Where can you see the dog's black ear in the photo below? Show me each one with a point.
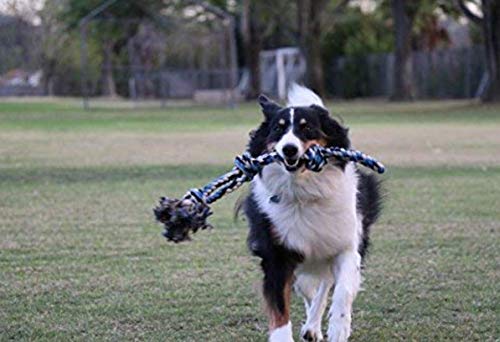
(269, 108)
(318, 109)
(335, 133)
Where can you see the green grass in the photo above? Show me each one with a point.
(82, 259)
(61, 116)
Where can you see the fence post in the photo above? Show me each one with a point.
(280, 63)
(468, 73)
(162, 90)
(132, 90)
(84, 64)
(233, 60)
(390, 72)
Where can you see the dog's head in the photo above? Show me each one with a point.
(290, 131)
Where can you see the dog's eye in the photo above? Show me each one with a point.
(278, 128)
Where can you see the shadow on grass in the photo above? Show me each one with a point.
(69, 175)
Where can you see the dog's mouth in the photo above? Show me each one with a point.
(291, 164)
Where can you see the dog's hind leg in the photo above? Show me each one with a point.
(305, 286)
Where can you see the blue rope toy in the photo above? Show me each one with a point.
(180, 216)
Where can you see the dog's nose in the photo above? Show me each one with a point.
(290, 151)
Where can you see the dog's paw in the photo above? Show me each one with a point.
(282, 334)
(311, 334)
(339, 329)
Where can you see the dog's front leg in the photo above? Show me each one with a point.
(347, 272)
(311, 331)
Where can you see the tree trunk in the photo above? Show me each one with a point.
(309, 24)
(491, 32)
(107, 80)
(253, 45)
(402, 87)
(48, 70)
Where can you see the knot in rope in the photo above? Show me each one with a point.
(315, 158)
(357, 157)
(248, 165)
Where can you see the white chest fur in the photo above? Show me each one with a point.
(313, 213)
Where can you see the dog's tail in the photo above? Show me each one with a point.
(300, 96)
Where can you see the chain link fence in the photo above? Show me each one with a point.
(175, 59)
(159, 57)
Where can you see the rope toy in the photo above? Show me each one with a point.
(190, 213)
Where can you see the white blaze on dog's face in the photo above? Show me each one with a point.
(289, 146)
(292, 130)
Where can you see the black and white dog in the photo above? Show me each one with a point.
(310, 229)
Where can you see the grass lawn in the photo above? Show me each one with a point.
(81, 257)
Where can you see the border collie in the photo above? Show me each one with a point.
(309, 229)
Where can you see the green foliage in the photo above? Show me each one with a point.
(107, 30)
(355, 35)
(279, 23)
(106, 24)
(422, 13)
(61, 52)
(358, 33)
(120, 9)
(68, 73)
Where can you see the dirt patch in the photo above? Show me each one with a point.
(400, 145)
(431, 145)
(89, 149)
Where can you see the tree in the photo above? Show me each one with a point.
(53, 41)
(264, 24)
(403, 12)
(310, 29)
(355, 35)
(252, 42)
(109, 31)
(414, 22)
(490, 26)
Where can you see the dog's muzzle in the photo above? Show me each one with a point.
(291, 158)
